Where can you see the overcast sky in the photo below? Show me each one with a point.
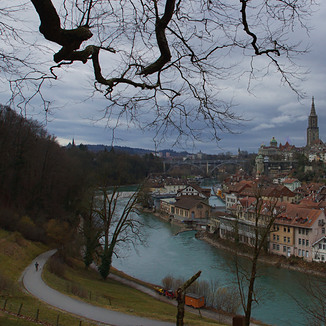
(271, 109)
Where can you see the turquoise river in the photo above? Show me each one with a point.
(183, 255)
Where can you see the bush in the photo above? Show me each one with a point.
(227, 299)
(57, 266)
(168, 282)
(28, 229)
(6, 284)
(77, 290)
(8, 219)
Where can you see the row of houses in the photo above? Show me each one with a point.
(298, 215)
(298, 218)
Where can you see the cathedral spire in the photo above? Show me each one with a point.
(312, 130)
(313, 110)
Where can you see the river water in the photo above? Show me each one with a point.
(183, 255)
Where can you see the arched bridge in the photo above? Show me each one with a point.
(207, 167)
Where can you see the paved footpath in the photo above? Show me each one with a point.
(34, 284)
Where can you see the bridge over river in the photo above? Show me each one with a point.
(207, 167)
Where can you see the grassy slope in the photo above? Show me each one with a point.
(16, 253)
(116, 296)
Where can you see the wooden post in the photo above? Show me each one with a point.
(58, 320)
(37, 314)
(181, 298)
(238, 321)
(80, 323)
(4, 305)
(20, 308)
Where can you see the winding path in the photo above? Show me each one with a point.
(35, 285)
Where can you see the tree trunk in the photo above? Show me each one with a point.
(181, 298)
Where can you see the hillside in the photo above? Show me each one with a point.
(16, 253)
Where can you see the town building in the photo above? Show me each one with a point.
(295, 230)
(189, 204)
(194, 190)
(319, 250)
(298, 217)
(275, 161)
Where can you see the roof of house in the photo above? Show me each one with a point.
(323, 238)
(204, 191)
(188, 202)
(297, 216)
(290, 180)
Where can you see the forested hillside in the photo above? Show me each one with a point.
(42, 184)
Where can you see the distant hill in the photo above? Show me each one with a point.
(130, 150)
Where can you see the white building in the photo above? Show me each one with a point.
(319, 250)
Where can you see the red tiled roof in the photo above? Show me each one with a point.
(297, 216)
(290, 180)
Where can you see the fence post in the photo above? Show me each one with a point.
(238, 321)
(20, 308)
(37, 314)
(58, 320)
(4, 305)
(80, 323)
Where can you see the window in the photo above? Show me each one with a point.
(307, 243)
(303, 242)
(284, 229)
(274, 246)
(324, 246)
(284, 239)
(284, 248)
(307, 254)
(299, 231)
(322, 257)
(278, 247)
(274, 236)
(299, 241)
(278, 237)
(288, 230)
(288, 239)
(303, 253)
(307, 231)
(323, 230)
(299, 252)
(320, 246)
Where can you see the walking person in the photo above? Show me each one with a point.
(36, 266)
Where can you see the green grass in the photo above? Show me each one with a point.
(16, 254)
(116, 296)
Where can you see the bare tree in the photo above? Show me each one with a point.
(117, 227)
(160, 64)
(90, 230)
(315, 308)
(263, 214)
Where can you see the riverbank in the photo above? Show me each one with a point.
(291, 263)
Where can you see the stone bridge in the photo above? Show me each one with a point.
(207, 167)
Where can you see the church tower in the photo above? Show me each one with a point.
(312, 130)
